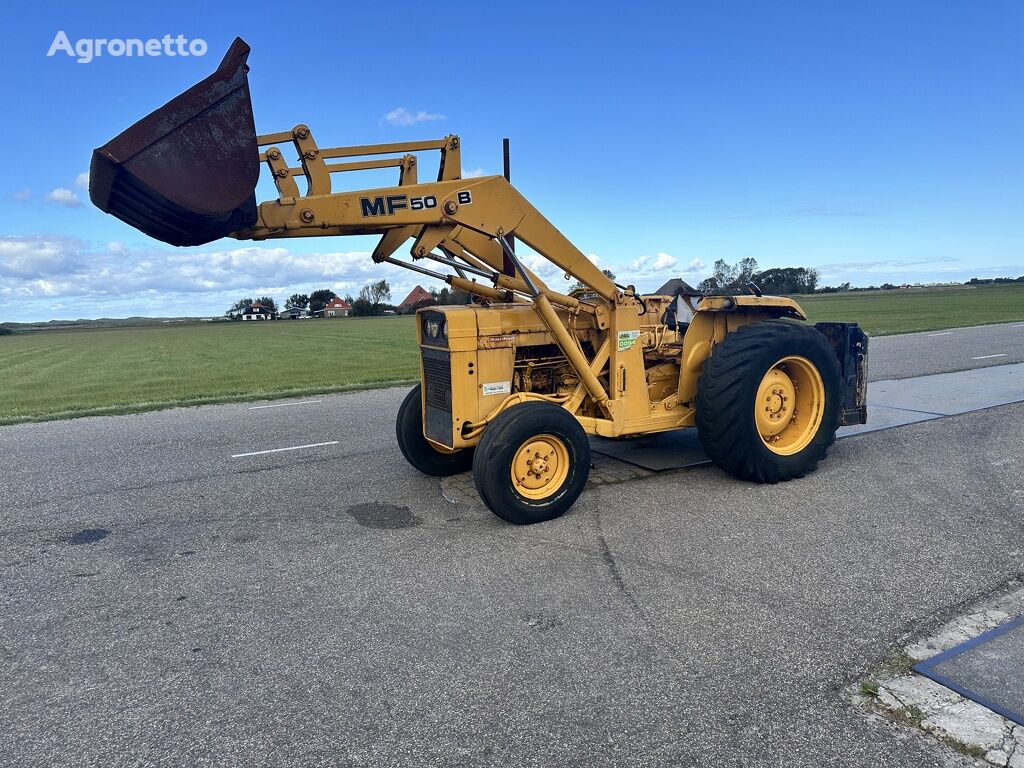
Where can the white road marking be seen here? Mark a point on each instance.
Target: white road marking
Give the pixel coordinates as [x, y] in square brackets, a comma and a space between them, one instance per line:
[986, 357]
[944, 333]
[284, 405]
[279, 450]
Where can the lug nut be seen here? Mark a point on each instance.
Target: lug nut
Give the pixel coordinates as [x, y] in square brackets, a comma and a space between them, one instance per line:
[307, 215]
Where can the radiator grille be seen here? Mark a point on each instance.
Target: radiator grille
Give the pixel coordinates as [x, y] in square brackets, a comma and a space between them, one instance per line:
[437, 395]
[437, 380]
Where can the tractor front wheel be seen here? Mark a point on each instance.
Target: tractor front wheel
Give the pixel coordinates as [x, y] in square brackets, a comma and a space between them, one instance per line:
[768, 401]
[531, 463]
[415, 447]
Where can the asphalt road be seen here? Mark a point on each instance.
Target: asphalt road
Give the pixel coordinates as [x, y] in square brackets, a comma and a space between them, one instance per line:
[169, 601]
[954, 349]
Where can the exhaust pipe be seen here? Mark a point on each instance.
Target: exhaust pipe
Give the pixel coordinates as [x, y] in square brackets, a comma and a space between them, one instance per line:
[186, 173]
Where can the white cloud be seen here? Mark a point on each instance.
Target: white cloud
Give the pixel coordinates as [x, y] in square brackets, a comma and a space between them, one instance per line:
[696, 265]
[646, 265]
[475, 173]
[63, 196]
[402, 116]
[29, 258]
[82, 180]
[663, 261]
[109, 280]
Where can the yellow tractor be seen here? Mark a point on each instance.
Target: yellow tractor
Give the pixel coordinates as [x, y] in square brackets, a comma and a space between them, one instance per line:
[513, 384]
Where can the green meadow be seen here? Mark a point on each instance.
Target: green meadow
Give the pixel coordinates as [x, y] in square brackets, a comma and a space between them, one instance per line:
[51, 374]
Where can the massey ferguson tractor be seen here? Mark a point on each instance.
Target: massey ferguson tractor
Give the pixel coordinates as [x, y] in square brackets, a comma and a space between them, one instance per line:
[512, 385]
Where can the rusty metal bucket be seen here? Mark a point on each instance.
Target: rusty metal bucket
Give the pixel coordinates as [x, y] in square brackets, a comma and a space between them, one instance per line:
[186, 173]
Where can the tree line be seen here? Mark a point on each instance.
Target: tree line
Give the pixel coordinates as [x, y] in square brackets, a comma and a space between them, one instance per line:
[734, 278]
[373, 299]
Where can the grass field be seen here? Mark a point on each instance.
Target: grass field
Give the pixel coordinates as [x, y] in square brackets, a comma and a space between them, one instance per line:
[54, 374]
[919, 309]
[58, 374]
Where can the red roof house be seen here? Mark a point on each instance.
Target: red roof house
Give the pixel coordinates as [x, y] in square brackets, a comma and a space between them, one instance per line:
[416, 295]
[337, 308]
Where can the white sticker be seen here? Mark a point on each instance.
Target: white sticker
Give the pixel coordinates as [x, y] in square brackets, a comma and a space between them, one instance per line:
[627, 339]
[498, 388]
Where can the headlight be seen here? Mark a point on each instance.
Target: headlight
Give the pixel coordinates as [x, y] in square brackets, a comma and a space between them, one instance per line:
[444, 329]
[431, 327]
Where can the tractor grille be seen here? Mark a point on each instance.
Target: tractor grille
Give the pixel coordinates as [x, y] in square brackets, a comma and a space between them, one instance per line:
[437, 395]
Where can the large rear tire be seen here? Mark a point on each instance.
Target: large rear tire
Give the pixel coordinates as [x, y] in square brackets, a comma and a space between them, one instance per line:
[531, 463]
[415, 447]
[768, 402]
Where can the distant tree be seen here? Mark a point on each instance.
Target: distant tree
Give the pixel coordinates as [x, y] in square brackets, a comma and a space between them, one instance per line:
[268, 303]
[724, 274]
[813, 276]
[578, 285]
[5, 331]
[787, 280]
[238, 308]
[299, 300]
[319, 299]
[372, 299]
[834, 288]
[376, 293]
[745, 272]
[735, 278]
[363, 308]
[708, 285]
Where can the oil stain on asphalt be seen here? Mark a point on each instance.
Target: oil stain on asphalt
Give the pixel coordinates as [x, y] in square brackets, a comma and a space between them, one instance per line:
[383, 516]
[87, 536]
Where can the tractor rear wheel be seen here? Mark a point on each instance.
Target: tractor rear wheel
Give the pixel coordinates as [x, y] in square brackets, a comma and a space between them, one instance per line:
[415, 447]
[768, 401]
[531, 463]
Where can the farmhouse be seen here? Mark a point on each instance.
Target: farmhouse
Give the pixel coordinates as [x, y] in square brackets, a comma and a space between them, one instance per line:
[337, 308]
[295, 313]
[257, 311]
[673, 287]
[416, 295]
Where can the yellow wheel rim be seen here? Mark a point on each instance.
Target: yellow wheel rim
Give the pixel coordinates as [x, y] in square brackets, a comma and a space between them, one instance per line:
[540, 467]
[789, 405]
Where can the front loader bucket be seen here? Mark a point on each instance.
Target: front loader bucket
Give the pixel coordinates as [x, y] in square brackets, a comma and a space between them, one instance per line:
[186, 173]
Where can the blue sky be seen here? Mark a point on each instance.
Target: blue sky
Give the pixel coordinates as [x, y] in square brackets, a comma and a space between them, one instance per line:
[874, 141]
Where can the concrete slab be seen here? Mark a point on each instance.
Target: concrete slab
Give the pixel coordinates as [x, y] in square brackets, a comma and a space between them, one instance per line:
[988, 669]
[893, 403]
[951, 393]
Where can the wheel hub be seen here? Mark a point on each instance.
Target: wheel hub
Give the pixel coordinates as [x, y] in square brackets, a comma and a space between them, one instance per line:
[789, 405]
[776, 400]
[540, 466]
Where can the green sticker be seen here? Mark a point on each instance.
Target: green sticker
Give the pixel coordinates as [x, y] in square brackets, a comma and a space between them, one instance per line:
[627, 339]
